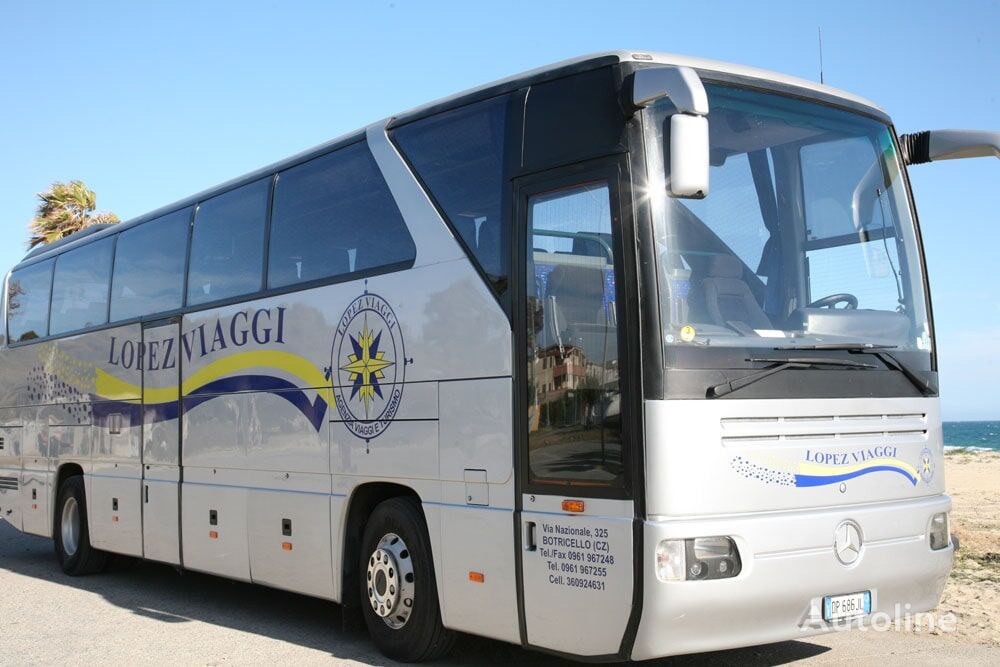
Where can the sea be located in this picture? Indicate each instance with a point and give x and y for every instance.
(972, 435)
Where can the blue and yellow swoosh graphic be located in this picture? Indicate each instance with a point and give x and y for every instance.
(225, 376)
(815, 474)
(808, 474)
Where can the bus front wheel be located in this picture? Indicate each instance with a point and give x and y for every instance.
(398, 590)
(72, 537)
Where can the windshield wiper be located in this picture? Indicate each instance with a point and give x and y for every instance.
(882, 354)
(783, 363)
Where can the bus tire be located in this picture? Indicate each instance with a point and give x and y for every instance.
(72, 537)
(398, 588)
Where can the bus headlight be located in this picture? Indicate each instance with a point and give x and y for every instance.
(697, 558)
(939, 536)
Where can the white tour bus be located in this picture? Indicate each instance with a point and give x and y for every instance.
(505, 365)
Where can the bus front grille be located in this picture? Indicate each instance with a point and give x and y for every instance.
(840, 429)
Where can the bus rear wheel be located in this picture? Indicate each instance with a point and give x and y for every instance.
(72, 537)
(398, 589)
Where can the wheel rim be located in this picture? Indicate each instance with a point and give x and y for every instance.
(390, 581)
(70, 526)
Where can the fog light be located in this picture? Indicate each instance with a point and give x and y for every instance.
(697, 570)
(939, 536)
(697, 558)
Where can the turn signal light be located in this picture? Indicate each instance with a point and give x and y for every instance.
(213, 534)
(477, 577)
(114, 519)
(287, 546)
(572, 505)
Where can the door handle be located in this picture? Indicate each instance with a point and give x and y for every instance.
(529, 536)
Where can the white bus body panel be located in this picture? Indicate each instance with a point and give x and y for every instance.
(10, 467)
(36, 517)
(116, 485)
(161, 521)
(779, 477)
(214, 525)
(306, 565)
(477, 528)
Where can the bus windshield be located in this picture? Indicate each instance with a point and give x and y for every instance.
(805, 238)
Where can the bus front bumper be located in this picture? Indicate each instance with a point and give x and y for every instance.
(788, 566)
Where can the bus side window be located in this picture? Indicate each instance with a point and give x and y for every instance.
(80, 288)
(459, 156)
(28, 302)
(334, 216)
(149, 267)
(227, 244)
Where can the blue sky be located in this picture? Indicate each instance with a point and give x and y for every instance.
(148, 104)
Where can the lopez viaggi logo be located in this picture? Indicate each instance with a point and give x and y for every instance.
(369, 366)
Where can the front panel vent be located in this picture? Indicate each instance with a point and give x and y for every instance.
(8, 483)
(791, 429)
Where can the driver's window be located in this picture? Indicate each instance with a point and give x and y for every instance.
(848, 253)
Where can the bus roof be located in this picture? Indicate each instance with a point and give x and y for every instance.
(705, 67)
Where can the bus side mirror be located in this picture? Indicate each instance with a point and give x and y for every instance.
(934, 145)
(689, 156)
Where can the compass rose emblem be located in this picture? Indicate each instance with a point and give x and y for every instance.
(926, 466)
(368, 366)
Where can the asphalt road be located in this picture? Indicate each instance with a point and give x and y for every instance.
(151, 614)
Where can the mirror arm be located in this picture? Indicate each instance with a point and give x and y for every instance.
(935, 145)
(681, 85)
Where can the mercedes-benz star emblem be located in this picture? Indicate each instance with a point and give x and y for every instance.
(847, 543)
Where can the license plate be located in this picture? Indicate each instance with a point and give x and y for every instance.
(836, 607)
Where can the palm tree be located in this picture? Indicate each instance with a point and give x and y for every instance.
(65, 208)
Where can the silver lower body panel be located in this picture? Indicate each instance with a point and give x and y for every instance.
(789, 565)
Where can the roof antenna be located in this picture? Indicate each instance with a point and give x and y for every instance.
(819, 30)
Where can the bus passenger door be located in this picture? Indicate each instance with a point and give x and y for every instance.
(576, 518)
(161, 426)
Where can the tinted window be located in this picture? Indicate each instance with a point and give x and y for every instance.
(574, 397)
(332, 216)
(28, 301)
(227, 244)
(149, 267)
(733, 211)
(80, 290)
(839, 258)
(459, 157)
